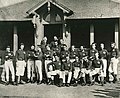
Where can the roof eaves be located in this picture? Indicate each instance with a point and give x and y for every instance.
(36, 6)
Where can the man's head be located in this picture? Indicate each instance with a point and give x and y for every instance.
(56, 43)
(32, 47)
(38, 48)
(102, 46)
(93, 45)
(57, 58)
(65, 47)
(55, 38)
(8, 48)
(76, 59)
(61, 41)
(81, 47)
(72, 47)
(48, 47)
(97, 55)
(113, 45)
(22, 46)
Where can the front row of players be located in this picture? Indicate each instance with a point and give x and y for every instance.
(73, 63)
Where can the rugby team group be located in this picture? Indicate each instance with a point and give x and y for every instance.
(56, 64)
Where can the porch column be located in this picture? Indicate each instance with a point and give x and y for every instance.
(39, 32)
(117, 35)
(91, 34)
(66, 33)
(15, 39)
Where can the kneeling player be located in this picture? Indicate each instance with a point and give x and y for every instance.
(54, 69)
(97, 68)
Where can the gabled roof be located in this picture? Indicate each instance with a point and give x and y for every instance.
(81, 9)
(59, 5)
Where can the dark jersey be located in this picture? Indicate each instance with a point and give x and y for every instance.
(38, 55)
(67, 66)
(73, 54)
(103, 54)
(82, 53)
(114, 53)
(48, 55)
(76, 64)
(92, 53)
(9, 55)
(20, 55)
(86, 64)
(31, 54)
(97, 63)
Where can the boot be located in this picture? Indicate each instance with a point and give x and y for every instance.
(7, 83)
(84, 82)
(115, 77)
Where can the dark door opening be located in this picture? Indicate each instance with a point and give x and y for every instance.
(52, 30)
(6, 35)
(104, 32)
(26, 34)
(80, 33)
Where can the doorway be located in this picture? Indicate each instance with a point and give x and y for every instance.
(51, 30)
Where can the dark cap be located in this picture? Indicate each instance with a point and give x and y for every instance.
(21, 44)
(8, 46)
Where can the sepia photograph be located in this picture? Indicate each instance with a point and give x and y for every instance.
(59, 48)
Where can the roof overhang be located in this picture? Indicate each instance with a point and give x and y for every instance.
(57, 4)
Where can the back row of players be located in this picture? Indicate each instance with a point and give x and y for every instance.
(56, 59)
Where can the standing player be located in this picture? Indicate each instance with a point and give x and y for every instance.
(93, 51)
(103, 53)
(113, 61)
(20, 63)
(82, 52)
(31, 64)
(38, 64)
(9, 65)
(48, 56)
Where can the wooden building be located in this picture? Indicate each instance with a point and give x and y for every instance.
(78, 22)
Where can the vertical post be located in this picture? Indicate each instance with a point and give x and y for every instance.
(15, 41)
(117, 35)
(39, 32)
(91, 34)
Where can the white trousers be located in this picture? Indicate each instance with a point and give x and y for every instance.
(38, 66)
(46, 63)
(76, 72)
(113, 66)
(9, 67)
(69, 73)
(20, 68)
(30, 68)
(104, 66)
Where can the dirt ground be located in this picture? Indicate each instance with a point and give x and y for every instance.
(51, 91)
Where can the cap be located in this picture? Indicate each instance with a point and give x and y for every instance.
(8, 46)
(21, 44)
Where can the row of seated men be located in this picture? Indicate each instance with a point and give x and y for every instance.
(56, 59)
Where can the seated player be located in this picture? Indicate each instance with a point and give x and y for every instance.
(67, 70)
(97, 69)
(85, 69)
(76, 70)
(54, 69)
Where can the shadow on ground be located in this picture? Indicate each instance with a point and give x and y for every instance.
(107, 93)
